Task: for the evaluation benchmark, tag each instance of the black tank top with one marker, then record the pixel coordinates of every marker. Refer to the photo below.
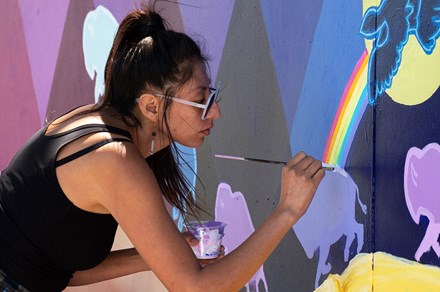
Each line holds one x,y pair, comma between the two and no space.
44,238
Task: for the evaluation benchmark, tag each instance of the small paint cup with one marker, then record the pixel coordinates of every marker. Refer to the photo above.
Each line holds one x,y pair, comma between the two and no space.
209,234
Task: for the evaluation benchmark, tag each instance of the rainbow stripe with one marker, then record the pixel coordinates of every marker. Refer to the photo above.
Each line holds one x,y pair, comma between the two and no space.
350,111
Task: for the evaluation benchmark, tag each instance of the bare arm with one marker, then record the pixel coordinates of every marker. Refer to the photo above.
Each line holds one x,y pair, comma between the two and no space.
118,263
135,201
121,263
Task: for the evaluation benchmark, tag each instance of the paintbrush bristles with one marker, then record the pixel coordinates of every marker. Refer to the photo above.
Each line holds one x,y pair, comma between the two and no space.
329,167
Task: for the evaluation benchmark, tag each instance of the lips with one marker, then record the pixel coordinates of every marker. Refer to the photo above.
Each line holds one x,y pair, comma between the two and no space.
207,131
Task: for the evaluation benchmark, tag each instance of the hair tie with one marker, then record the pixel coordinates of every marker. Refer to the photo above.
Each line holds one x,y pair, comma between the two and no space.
154,28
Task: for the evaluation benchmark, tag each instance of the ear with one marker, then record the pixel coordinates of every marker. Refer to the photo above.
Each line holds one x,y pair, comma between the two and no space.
149,105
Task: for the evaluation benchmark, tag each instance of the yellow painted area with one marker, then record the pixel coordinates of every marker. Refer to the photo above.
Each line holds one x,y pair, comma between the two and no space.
390,274
357,277
418,75
404,275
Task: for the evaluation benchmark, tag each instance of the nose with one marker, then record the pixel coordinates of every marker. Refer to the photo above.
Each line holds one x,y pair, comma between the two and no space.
214,112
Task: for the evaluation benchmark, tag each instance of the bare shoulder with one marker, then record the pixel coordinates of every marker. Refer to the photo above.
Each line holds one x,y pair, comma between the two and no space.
99,179
119,161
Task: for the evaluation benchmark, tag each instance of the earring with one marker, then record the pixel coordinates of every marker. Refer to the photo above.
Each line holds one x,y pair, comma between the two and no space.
152,142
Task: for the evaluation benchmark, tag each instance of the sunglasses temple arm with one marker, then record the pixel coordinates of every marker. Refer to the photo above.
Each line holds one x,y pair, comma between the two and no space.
188,102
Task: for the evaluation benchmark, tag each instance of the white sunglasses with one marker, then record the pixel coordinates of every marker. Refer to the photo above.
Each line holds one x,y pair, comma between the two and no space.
206,107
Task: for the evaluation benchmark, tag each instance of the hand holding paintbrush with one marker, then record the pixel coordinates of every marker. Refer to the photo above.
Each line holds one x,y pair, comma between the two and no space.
325,166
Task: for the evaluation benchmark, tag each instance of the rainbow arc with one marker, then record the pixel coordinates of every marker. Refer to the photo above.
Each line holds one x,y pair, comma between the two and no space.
351,108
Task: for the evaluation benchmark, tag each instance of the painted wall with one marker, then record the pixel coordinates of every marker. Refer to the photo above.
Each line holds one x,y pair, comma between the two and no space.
355,84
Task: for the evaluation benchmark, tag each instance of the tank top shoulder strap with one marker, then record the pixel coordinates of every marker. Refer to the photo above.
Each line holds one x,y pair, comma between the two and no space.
83,130
87,150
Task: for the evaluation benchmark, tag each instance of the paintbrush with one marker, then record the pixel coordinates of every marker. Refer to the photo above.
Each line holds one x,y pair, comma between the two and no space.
325,166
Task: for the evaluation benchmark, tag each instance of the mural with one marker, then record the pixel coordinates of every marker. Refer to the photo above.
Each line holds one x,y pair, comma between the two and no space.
335,92
330,226
390,25
400,36
355,84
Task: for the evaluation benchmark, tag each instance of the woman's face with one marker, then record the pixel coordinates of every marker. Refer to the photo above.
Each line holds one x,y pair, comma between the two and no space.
185,121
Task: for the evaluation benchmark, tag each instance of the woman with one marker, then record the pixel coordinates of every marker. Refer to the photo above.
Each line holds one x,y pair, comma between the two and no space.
64,193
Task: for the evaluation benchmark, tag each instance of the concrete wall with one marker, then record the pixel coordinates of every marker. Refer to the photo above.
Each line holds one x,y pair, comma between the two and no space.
354,83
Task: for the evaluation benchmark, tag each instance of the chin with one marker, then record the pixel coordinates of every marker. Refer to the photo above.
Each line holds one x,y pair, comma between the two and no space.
198,143
192,144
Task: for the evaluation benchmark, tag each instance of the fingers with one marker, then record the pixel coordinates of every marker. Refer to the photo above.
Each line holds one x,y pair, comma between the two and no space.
299,181
192,241
222,251
319,175
306,164
297,158
314,168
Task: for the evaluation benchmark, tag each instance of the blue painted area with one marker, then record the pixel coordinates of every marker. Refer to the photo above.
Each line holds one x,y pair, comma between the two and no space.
337,47
187,162
99,29
290,26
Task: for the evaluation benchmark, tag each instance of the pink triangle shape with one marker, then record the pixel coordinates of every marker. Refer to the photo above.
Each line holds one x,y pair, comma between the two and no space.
18,111
43,24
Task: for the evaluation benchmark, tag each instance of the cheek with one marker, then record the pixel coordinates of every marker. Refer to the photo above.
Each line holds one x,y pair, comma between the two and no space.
173,121
177,127
184,120
185,133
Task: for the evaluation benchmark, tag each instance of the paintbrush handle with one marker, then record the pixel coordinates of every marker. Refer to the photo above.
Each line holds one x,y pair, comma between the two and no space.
325,166
266,161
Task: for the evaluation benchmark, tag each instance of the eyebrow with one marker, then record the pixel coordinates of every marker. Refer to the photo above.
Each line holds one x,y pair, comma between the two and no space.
200,88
